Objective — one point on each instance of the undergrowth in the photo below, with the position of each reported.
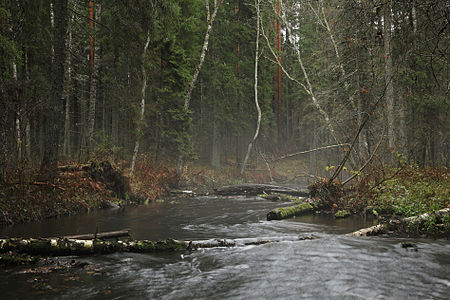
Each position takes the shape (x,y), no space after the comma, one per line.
(413,191)
(26,197)
(150,181)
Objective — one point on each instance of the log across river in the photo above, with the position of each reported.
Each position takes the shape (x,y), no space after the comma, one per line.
(331,265)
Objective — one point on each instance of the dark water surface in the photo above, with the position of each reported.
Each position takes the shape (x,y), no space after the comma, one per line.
(332,266)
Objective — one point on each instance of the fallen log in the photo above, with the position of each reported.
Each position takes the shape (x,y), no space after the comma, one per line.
(276,197)
(100,235)
(405,225)
(290,211)
(62,246)
(370,231)
(182,193)
(213,243)
(254,189)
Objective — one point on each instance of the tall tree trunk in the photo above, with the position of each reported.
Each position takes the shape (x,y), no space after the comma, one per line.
(238,92)
(54,115)
(209,21)
(92,83)
(362,142)
(3,133)
(215,157)
(26,117)
(100,91)
(17,116)
(322,18)
(389,74)
(258,122)
(68,86)
(308,87)
(280,102)
(141,116)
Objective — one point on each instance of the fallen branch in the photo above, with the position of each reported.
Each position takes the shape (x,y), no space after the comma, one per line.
(363,123)
(267,165)
(309,151)
(366,163)
(62,246)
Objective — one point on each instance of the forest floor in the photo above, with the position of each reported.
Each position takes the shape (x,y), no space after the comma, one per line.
(391,193)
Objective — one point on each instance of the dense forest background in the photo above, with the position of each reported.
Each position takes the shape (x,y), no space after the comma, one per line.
(86,79)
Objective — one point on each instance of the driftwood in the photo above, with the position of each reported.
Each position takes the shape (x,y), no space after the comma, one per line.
(254,189)
(100,235)
(62,246)
(405,225)
(290,211)
(374,230)
(182,193)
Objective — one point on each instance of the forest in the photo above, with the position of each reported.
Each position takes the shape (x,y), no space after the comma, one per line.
(234,91)
(248,137)
(160,80)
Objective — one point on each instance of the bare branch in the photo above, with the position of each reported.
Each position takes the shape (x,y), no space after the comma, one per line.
(367,162)
(309,151)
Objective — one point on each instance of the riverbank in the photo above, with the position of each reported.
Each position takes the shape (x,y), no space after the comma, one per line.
(28,196)
(398,193)
(401,193)
(413,192)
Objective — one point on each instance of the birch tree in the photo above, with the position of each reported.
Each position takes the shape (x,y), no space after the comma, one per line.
(258,122)
(142,105)
(209,22)
(308,86)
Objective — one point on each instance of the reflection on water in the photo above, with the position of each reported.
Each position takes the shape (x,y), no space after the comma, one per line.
(330,267)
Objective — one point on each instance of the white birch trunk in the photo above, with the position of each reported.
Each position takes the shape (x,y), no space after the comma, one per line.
(258,123)
(141,116)
(308,87)
(210,21)
(338,56)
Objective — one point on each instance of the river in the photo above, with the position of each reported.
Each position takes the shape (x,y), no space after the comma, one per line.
(331,266)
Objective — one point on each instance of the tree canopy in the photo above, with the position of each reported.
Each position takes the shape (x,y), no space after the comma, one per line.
(71,80)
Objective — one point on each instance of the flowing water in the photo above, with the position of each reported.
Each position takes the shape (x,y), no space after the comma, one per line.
(331,266)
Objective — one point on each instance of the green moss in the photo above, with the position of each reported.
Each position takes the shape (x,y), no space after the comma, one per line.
(342,214)
(287,211)
(159,246)
(17,259)
(280,197)
(290,211)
